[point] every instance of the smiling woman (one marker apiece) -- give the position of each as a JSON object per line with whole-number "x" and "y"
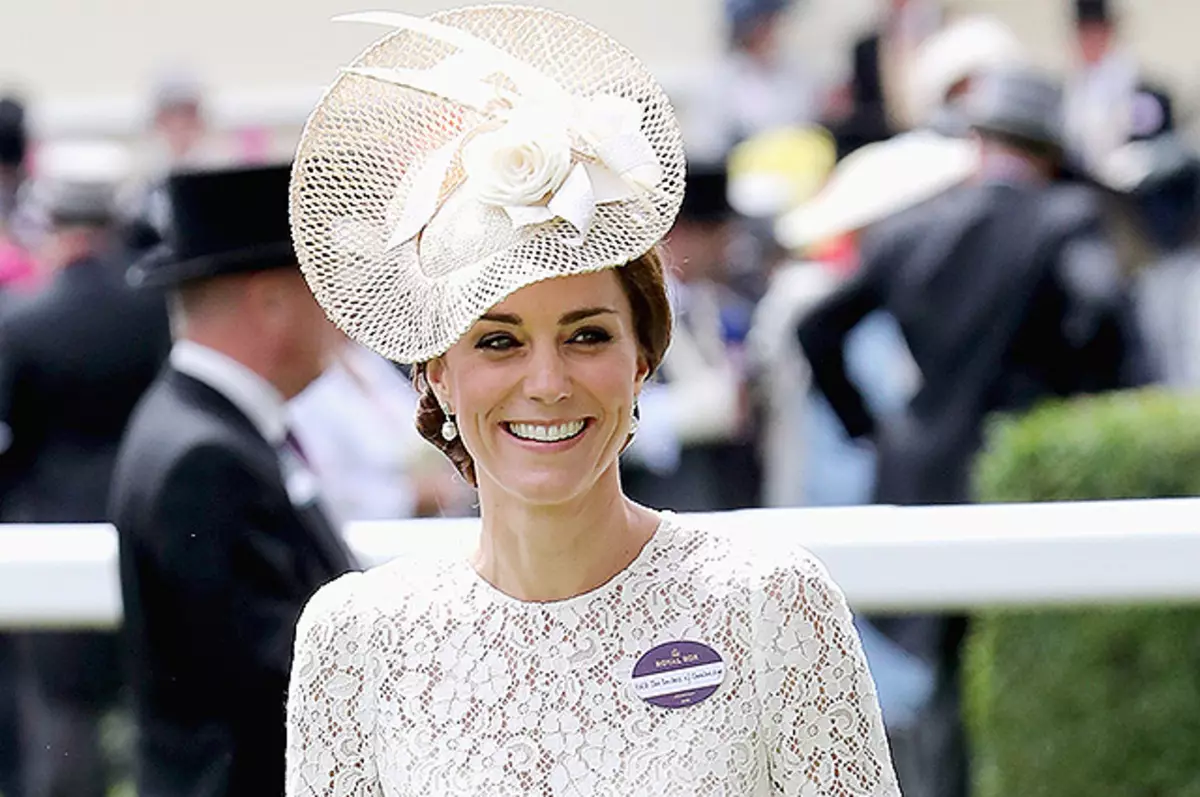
{"x": 477, "y": 198}
{"x": 644, "y": 287}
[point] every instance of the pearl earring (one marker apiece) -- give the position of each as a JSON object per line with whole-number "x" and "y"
{"x": 449, "y": 429}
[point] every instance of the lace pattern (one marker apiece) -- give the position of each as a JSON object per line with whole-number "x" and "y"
{"x": 412, "y": 680}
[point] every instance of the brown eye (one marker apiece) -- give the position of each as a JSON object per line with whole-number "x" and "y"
{"x": 497, "y": 341}
{"x": 591, "y": 336}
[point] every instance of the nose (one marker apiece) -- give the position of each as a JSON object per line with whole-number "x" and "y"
{"x": 547, "y": 380}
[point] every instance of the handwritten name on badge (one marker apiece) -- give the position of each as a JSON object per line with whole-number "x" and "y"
{"x": 678, "y": 674}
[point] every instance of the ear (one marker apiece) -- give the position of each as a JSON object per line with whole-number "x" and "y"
{"x": 640, "y": 376}
{"x": 268, "y": 293}
{"x": 437, "y": 376}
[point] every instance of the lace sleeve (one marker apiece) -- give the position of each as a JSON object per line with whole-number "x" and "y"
{"x": 824, "y": 729}
{"x": 330, "y": 710}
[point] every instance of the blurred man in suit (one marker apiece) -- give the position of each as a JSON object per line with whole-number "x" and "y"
{"x": 1006, "y": 291}
{"x": 222, "y": 537}
{"x": 74, "y": 360}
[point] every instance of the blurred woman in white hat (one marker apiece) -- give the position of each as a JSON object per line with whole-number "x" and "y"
{"x": 481, "y": 194}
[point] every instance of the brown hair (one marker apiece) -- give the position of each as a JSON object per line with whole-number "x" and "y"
{"x": 645, "y": 286}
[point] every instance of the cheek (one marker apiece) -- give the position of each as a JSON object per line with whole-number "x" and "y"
{"x": 476, "y": 387}
{"x": 613, "y": 380}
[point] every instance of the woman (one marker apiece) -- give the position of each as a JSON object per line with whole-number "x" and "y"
{"x": 480, "y": 198}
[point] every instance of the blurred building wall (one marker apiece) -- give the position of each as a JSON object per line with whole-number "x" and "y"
{"x": 89, "y": 65}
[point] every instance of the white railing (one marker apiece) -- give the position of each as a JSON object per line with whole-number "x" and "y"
{"x": 885, "y": 558}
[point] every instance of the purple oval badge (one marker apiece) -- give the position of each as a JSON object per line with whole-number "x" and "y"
{"x": 678, "y": 674}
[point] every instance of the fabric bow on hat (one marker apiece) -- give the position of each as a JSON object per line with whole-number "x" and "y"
{"x": 541, "y": 154}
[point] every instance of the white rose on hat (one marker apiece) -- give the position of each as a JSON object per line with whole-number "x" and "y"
{"x": 520, "y": 164}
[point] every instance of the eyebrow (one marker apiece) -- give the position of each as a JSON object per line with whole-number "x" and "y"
{"x": 572, "y": 317}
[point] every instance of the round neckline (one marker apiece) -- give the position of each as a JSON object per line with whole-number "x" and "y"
{"x": 496, "y": 595}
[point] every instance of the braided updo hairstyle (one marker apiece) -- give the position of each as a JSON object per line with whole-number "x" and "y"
{"x": 645, "y": 286}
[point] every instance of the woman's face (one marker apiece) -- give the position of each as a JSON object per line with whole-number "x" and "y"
{"x": 543, "y": 387}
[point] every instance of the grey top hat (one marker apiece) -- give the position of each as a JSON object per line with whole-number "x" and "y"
{"x": 1017, "y": 103}
{"x": 78, "y": 181}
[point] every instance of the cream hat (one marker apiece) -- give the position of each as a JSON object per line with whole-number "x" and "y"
{"x": 876, "y": 182}
{"x": 963, "y": 49}
{"x": 469, "y": 154}
{"x": 79, "y": 180}
{"x": 778, "y": 169}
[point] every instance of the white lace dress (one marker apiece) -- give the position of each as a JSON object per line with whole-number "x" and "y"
{"x": 414, "y": 680}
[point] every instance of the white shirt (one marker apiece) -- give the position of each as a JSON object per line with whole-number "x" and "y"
{"x": 254, "y": 396}
{"x": 357, "y": 426}
{"x": 1098, "y": 108}
{"x": 421, "y": 678}
{"x": 259, "y": 401}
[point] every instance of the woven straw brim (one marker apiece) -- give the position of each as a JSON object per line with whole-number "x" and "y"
{"x": 366, "y": 139}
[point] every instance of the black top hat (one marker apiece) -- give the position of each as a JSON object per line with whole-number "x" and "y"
{"x": 1092, "y": 11}
{"x": 222, "y": 222}
{"x": 13, "y": 135}
{"x": 705, "y": 197}
{"x": 1019, "y": 104}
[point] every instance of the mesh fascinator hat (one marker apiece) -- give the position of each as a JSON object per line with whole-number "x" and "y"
{"x": 471, "y": 153}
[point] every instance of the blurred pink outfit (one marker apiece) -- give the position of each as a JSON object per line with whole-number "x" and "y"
{"x": 17, "y": 269}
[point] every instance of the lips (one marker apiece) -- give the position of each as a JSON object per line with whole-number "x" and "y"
{"x": 546, "y": 433}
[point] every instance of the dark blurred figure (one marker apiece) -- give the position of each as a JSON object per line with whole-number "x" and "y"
{"x": 74, "y": 359}
{"x": 1099, "y": 115}
{"x": 13, "y": 143}
{"x": 222, "y": 535}
{"x": 17, "y": 271}
{"x": 179, "y": 138}
{"x": 1122, "y": 133}
{"x": 877, "y": 101}
{"x": 13, "y": 147}
{"x": 1006, "y": 291}
{"x": 757, "y": 84}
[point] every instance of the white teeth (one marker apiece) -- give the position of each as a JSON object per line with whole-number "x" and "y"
{"x": 547, "y": 434}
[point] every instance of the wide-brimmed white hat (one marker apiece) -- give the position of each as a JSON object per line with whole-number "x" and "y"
{"x": 965, "y": 48}
{"x": 876, "y": 182}
{"x": 471, "y": 153}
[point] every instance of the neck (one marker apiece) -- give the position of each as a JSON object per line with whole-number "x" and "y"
{"x": 542, "y": 553}
{"x": 232, "y": 346}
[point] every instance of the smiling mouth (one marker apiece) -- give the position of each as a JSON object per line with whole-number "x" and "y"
{"x": 546, "y": 433}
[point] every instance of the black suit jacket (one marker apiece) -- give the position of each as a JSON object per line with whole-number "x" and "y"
{"x": 216, "y": 565}
{"x": 1005, "y": 294}
{"x": 74, "y": 360}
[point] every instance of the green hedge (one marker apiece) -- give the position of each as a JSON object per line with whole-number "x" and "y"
{"x": 1089, "y": 702}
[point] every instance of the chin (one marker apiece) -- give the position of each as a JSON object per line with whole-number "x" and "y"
{"x": 549, "y": 488}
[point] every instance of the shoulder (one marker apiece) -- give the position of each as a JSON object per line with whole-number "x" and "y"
{"x": 172, "y": 449}
{"x": 900, "y": 234}
{"x": 168, "y": 424}
{"x": 411, "y": 586}
{"x": 335, "y": 610}
{"x": 753, "y": 562}
{"x": 391, "y": 598}
{"x": 177, "y": 473}
{"x": 25, "y": 318}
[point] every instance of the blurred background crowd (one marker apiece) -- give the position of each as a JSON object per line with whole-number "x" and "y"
{"x": 853, "y": 299}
